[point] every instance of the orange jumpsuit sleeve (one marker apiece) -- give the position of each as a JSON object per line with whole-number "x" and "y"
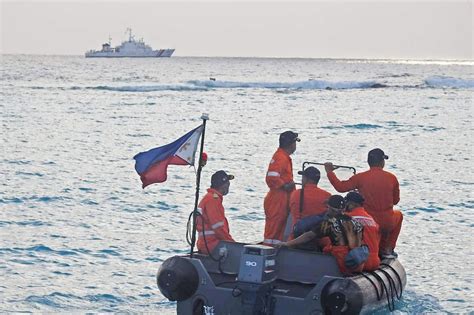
{"x": 218, "y": 221}
{"x": 275, "y": 169}
{"x": 396, "y": 191}
{"x": 344, "y": 185}
{"x": 295, "y": 205}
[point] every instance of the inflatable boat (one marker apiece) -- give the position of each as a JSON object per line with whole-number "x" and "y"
{"x": 256, "y": 279}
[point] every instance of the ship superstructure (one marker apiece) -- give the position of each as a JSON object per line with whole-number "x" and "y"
{"x": 130, "y": 48}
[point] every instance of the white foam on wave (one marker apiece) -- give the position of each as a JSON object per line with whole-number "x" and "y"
{"x": 305, "y": 85}
{"x": 204, "y": 85}
{"x": 151, "y": 88}
{"x": 441, "y": 81}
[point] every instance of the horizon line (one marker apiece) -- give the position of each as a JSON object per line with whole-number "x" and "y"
{"x": 255, "y": 57}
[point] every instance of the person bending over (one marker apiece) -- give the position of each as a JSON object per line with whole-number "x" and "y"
{"x": 371, "y": 234}
{"x": 344, "y": 232}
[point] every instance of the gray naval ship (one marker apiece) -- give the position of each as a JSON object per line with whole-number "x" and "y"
{"x": 255, "y": 280}
{"x": 130, "y": 48}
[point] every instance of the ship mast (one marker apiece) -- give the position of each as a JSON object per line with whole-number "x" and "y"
{"x": 129, "y": 30}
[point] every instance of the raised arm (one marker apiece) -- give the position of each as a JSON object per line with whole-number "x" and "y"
{"x": 340, "y": 186}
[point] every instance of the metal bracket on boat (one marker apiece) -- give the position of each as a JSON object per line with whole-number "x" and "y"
{"x": 335, "y": 166}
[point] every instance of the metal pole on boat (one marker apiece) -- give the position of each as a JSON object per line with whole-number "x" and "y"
{"x": 204, "y": 118}
{"x": 335, "y": 166}
{"x": 302, "y": 190}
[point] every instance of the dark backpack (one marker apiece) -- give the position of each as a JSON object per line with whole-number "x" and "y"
{"x": 306, "y": 224}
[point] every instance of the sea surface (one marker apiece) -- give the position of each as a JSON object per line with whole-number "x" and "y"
{"x": 78, "y": 233}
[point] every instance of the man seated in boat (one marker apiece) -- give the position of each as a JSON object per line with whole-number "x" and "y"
{"x": 212, "y": 224}
{"x": 381, "y": 192}
{"x": 371, "y": 233}
{"x": 345, "y": 235}
{"x": 314, "y": 198}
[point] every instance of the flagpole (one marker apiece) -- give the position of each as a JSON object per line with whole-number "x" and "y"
{"x": 204, "y": 118}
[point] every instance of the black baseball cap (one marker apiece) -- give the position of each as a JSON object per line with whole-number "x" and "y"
{"x": 219, "y": 178}
{"x": 311, "y": 172}
{"x": 354, "y": 197}
{"x": 376, "y": 156}
{"x": 336, "y": 201}
{"x": 288, "y": 137}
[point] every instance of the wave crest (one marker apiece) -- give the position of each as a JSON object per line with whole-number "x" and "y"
{"x": 204, "y": 85}
{"x": 149, "y": 88}
{"x": 450, "y": 82}
{"x": 302, "y": 85}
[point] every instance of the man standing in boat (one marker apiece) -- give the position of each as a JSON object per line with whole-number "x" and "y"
{"x": 279, "y": 179}
{"x": 212, "y": 224}
{"x": 381, "y": 192}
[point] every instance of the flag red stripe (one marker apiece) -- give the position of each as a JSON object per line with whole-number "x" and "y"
{"x": 158, "y": 172}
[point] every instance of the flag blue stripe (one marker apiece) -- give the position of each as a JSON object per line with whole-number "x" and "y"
{"x": 144, "y": 160}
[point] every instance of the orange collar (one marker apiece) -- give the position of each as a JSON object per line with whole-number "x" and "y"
{"x": 376, "y": 168}
{"x": 212, "y": 190}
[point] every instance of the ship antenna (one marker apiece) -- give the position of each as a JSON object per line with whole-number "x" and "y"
{"x": 110, "y": 40}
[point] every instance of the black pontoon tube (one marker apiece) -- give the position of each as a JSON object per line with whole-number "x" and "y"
{"x": 392, "y": 293}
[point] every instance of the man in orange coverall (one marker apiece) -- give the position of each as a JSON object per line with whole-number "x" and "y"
{"x": 381, "y": 192}
{"x": 315, "y": 198}
{"x": 280, "y": 181}
{"x": 212, "y": 224}
{"x": 371, "y": 233}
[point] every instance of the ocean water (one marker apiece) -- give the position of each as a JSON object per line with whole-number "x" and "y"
{"x": 78, "y": 234}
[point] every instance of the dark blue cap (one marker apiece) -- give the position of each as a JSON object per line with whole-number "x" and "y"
{"x": 219, "y": 178}
{"x": 288, "y": 137}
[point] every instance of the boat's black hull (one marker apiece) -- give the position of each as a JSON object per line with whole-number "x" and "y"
{"x": 304, "y": 283}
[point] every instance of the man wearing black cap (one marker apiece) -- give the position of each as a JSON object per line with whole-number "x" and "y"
{"x": 344, "y": 232}
{"x": 315, "y": 198}
{"x": 371, "y": 235}
{"x": 381, "y": 192}
{"x": 280, "y": 181}
{"x": 212, "y": 224}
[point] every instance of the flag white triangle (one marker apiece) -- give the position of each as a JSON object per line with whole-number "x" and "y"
{"x": 187, "y": 151}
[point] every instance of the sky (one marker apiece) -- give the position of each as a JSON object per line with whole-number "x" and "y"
{"x": 308, "y": 29}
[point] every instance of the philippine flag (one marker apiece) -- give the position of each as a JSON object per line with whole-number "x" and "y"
{"x": 152, "y": 165}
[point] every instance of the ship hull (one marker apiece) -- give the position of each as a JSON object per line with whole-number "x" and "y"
{"x": 162, "y": 53}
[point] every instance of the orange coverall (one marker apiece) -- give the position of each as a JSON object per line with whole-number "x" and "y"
{"x": 340, "y": 252}
{"x": 216, "y": 227}
{"x": 381, "y": 192}
{"x": 371, "y": 236}
{"x": 314, "y": 202}
{"x": 276, "y": 203}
